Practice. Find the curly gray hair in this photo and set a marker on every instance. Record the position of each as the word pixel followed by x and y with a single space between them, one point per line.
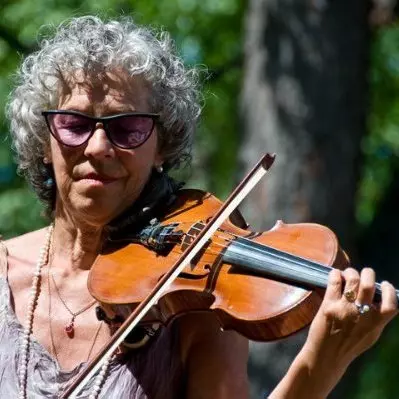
pixel 89 44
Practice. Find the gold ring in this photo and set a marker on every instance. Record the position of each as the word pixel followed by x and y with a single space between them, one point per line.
pixel 350 295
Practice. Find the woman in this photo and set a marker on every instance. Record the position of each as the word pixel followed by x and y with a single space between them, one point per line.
pixel 97 115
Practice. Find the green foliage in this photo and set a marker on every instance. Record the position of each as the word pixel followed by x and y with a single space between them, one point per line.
pixel 19 211
pixel 379 374
pixel 380 150
pixel 381 146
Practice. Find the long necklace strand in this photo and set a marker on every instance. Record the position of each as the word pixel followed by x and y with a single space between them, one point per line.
pixel 27 333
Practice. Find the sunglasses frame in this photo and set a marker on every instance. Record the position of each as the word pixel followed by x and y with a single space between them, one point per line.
pixel 104 121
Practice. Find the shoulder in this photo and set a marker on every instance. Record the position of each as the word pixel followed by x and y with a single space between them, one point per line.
pixel 30 238
pixel 22 253
pixel 24 245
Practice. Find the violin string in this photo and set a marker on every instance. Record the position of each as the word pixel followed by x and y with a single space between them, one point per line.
pixel 310 265
pixel 210 251
pixel 305 266
pixel 315 267
pixel 319 268
pixel 300 265
pixel 294 265
pixel 291 266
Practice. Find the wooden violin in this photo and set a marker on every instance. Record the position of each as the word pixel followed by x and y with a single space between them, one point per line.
pixel 235 274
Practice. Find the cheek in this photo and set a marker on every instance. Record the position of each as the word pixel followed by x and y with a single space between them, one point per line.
pixel 63 178
pixel 142 160
pixel 55 151
pixel 138 167
pixel 63 163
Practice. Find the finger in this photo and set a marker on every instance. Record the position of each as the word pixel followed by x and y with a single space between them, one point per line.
pixel 366 288
pixel 334 286
pixel 389 300
pixel 352 279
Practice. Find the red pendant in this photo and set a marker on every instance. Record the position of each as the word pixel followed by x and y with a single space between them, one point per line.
pixel 70 330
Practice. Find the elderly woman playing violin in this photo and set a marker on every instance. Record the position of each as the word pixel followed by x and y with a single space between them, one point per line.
pixel 100 113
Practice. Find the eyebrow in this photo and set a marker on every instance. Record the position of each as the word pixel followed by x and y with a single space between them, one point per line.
pixel 107 112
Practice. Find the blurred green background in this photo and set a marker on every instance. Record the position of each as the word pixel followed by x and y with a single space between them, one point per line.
pixel 211 33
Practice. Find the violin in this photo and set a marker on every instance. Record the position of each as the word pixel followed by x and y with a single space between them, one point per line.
pixel 201 256
pixel 249 279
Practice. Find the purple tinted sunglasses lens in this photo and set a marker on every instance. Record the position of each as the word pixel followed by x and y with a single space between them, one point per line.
pixel 71 129
pixel 130 131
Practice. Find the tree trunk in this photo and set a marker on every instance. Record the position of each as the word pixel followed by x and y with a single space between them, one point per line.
pixel 304 98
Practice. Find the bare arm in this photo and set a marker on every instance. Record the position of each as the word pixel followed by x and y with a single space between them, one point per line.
pixel 338 334
pixel 216 361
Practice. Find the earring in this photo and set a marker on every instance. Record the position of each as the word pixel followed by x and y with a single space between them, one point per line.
pixel 159 168
pixel 49 181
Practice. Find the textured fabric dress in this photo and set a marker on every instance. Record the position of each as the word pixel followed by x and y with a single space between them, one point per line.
pixel 151 372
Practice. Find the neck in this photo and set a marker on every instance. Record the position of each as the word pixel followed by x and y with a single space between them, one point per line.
pixel 75 247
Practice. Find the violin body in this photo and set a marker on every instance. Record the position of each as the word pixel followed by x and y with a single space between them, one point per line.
pixel 226 277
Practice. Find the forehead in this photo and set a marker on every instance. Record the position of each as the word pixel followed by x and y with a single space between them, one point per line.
pixel 106 93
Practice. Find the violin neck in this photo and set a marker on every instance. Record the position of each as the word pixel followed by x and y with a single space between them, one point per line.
pixel 266 261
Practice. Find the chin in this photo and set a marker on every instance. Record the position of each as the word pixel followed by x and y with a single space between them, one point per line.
pixel 93 212
pixel 94 219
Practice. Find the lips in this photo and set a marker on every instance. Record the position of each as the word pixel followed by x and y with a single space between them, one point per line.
pixel 98 177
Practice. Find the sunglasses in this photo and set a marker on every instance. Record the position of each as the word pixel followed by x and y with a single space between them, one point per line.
pixel 127 131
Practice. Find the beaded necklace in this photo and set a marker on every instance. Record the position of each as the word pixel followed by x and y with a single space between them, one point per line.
pixel 25 342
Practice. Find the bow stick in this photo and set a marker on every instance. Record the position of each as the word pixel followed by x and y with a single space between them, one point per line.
pixel 235 198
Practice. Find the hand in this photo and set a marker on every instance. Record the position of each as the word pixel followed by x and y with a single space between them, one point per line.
pixel 340 332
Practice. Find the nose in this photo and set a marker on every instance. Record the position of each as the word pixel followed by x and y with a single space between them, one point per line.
pixel 99 145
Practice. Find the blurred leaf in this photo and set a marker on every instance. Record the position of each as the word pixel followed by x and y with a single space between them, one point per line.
pixel 381 146
pixel 20 212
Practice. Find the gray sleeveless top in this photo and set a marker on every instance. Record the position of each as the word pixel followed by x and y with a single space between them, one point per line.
pixel 151 372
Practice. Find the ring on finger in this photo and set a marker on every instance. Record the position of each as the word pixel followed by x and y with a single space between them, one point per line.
pixel 350 295
pixel 362 309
